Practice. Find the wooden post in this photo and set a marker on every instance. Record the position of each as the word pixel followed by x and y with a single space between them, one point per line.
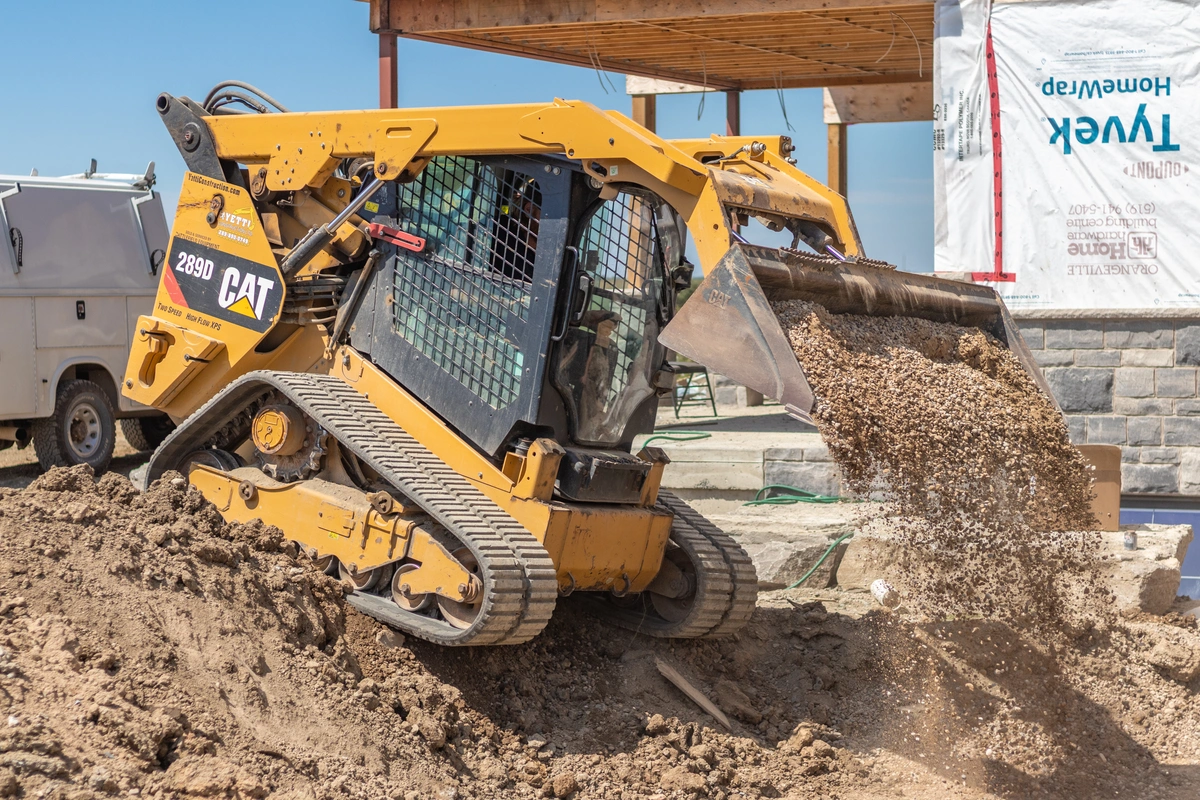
pixel 838 150
pixel 733 113
pixel 389 88
pixel 645 111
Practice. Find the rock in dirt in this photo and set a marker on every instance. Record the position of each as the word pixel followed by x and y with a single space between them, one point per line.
pixel 679 779
pixel 389 638
pixel 564 784
pixel 1179 660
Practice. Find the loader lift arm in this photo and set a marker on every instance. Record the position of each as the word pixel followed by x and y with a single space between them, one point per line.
pixel 289 152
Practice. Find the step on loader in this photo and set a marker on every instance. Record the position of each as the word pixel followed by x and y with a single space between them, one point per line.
pixel 421 342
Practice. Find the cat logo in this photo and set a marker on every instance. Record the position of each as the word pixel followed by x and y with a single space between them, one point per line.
pixel 246 295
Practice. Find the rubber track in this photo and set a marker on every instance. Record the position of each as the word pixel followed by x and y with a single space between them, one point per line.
pixel 726 582
pixel 518 574
pixel 744 594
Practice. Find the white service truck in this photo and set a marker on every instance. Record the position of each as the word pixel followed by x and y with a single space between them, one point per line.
pixel 79 257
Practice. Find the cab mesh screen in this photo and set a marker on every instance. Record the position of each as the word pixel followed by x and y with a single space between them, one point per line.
pixel 458 302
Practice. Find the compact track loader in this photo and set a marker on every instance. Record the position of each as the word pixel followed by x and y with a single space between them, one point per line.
pixel 421 342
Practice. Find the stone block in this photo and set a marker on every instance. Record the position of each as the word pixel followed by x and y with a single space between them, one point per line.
pixel 1133 382
pixel 1139 333
pixel 817 452
pixel 1175 382
pixel 1131 454
pixel 780 564
pixel 1149 478
pixel 715 475
pixel 1034 336
pixel 786 541
pixel 1187 344
pixel 1160 455
pixel 806 452
pixel 1146 579
pixel 1074 335
pixel 783 454
pixel 1181 431
pixel 1138 406
pixel 1077 429
pixel 867 558
pixel 1098 358
pixel 1189 471
pixel 1106 430
pixel 1145 358
pixel 1187 408
pixel 1054 358
pixel 1082 389
pixel 819 477
pixel 1145 431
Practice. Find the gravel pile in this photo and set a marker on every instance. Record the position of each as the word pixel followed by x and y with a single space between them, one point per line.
pixel 982 487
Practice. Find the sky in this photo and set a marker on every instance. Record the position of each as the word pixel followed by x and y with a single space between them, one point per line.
pixel 81 80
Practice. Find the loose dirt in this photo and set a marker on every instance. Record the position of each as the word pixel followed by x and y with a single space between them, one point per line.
pixel 982 488
pixel 149 649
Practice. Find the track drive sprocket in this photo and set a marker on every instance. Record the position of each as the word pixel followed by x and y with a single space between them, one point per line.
pixel 306 461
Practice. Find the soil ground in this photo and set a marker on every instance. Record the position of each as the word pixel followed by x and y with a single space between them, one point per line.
pixel 149 649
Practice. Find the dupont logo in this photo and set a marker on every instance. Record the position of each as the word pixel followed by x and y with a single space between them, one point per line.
pixel 1156 170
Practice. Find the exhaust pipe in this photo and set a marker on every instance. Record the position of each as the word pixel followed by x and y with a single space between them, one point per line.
pixel 14 433
pixel 729 325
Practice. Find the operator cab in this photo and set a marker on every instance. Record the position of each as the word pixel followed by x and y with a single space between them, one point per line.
pixel 541 298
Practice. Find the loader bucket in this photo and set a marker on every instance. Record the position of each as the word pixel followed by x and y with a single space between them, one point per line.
pixel 729 325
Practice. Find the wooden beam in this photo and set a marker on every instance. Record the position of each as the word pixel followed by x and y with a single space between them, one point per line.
pixel 771 79
pixel 428 16
pixel 892 102
pixel 733 114
pixel 838 152
pixel 389 79
pixel 639 84
pixel 645 111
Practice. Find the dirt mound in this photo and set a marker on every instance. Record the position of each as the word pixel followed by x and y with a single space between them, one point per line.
pixel 149 649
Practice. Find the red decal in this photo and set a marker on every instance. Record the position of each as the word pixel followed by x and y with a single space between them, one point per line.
pixel 172 287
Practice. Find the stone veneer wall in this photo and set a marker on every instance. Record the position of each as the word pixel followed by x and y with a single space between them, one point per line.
pixel 1129 382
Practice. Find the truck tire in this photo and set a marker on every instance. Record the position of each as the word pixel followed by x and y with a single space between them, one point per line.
pixel 83 429
pixel 146 433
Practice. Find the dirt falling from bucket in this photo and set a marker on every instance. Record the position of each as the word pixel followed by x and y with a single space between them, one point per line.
pixel 982 490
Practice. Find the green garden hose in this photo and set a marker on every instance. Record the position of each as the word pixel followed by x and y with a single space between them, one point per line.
pixel 821 560
pixel 789 495
pixel 678 436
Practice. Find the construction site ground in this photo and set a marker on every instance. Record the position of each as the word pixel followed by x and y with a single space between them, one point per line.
pixel 149 649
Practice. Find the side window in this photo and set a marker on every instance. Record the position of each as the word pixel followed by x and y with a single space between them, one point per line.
pixel 458 301
pixel 607 359
pixel 474 215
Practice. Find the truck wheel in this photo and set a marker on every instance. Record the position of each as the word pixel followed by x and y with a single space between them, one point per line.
pixel 146 433
pixel 82 430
